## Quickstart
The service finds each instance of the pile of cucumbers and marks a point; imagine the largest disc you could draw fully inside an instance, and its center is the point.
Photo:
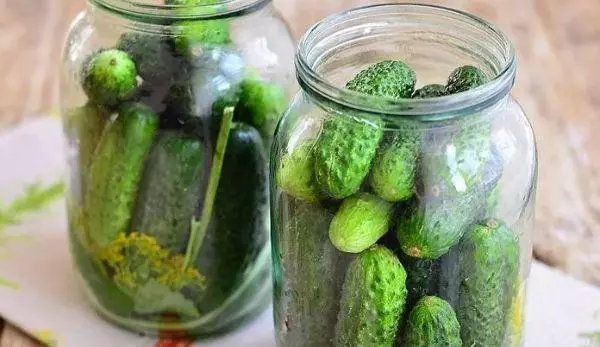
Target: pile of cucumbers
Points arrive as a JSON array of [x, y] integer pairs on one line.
[[387, 228], [169, 203]]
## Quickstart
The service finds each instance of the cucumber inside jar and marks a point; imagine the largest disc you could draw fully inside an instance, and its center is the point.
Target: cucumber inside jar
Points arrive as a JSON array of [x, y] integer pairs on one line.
[[408, 208], [172, 231]]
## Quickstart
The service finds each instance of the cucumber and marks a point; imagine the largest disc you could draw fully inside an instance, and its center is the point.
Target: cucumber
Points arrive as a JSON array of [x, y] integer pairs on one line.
[[238, 230], [169, 190], [116, 172], [423, 277], [373, 300], [489, 262], [394, 167], [343, 154], [361, 220], [428, 230], [311, 277], [84, 126], [432, 323]]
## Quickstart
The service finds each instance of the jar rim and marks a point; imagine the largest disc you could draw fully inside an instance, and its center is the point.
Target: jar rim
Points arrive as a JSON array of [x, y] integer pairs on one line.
[[145, 10], [474, 99]]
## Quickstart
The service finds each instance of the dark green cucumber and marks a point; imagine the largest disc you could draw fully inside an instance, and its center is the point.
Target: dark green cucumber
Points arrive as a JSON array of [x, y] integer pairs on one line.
[[428, 230], [169, 191], [312, 274], [372, 301], [238, 230], [432, 323], [423, 276], [116, 172], [489, 262]]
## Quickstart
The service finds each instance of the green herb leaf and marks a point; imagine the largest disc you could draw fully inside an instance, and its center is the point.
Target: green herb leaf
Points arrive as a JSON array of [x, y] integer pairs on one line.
[[34, 198], [593, 339], [154, 297]]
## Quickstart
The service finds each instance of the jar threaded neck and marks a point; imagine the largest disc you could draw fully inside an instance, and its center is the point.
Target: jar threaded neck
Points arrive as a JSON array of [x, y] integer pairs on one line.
[[366, 35], [153, 9]]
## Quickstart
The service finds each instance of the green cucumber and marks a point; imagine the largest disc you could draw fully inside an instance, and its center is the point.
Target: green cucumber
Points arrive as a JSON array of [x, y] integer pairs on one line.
[[84, 125], [238, 230], [394, 167], [312, 274], [432, 323], [489, 265], [169, 191], [373, 300], [428, 230], [116, 172], [296, 173], [361, 220], [343, 154]]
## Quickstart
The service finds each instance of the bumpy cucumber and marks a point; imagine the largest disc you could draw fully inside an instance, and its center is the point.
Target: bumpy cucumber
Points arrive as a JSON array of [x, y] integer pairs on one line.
[[389, 78], [373, 300], [116, 172], [489, 261], [432, 323], [394, 167], [169, 191], [428, 230], [464, 78], [430, 91], [423, 276], [296, 173], [312, 274], [343, 154], [238, 230]]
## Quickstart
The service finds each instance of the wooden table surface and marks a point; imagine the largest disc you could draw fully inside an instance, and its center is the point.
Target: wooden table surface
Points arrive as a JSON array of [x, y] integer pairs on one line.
[[558, 44]]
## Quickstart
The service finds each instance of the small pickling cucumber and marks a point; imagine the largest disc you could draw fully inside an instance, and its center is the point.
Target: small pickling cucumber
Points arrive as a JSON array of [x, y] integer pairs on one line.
[[360, 222], [394, 167], [116, 172], [169, 190], [344, 153], [373, 300], [432, 323], [488, 270], [312, 274], [296, 173]]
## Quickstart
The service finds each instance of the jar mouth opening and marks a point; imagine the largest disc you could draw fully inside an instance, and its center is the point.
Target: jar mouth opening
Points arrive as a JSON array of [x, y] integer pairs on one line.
[[155, 11], [333, 50]]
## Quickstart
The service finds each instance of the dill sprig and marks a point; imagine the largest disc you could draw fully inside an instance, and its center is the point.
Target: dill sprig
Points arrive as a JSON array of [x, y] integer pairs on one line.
[[34, 198]]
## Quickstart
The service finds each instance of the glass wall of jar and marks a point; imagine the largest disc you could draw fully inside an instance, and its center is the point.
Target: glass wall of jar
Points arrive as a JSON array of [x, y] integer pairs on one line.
[[169, 109], [403, 179]]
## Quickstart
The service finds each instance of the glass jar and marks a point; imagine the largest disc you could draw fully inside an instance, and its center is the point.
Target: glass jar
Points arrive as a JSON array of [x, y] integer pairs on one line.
[[402, 220], [169, 110]]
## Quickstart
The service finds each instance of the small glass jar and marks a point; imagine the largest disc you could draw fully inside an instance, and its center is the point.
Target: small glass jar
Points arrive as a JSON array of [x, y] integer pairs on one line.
[[169, 109], [402, 221]]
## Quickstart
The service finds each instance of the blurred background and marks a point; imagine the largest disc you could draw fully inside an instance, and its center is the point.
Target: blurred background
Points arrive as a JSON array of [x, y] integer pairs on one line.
[[558, 84]]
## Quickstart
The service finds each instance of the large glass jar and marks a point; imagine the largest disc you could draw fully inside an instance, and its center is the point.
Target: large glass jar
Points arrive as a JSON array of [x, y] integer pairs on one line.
[[169, 109], [400, 216]]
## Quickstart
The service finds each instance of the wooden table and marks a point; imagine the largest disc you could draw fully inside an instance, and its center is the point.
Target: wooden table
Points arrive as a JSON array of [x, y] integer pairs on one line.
[[558, 44]]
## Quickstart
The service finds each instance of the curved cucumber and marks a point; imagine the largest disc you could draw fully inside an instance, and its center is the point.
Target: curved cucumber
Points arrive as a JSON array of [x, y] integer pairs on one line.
[[238, 230], [116, 172], [169, 191]]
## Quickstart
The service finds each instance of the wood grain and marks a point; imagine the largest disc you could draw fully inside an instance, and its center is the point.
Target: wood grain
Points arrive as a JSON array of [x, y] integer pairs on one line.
[[558, 44]]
